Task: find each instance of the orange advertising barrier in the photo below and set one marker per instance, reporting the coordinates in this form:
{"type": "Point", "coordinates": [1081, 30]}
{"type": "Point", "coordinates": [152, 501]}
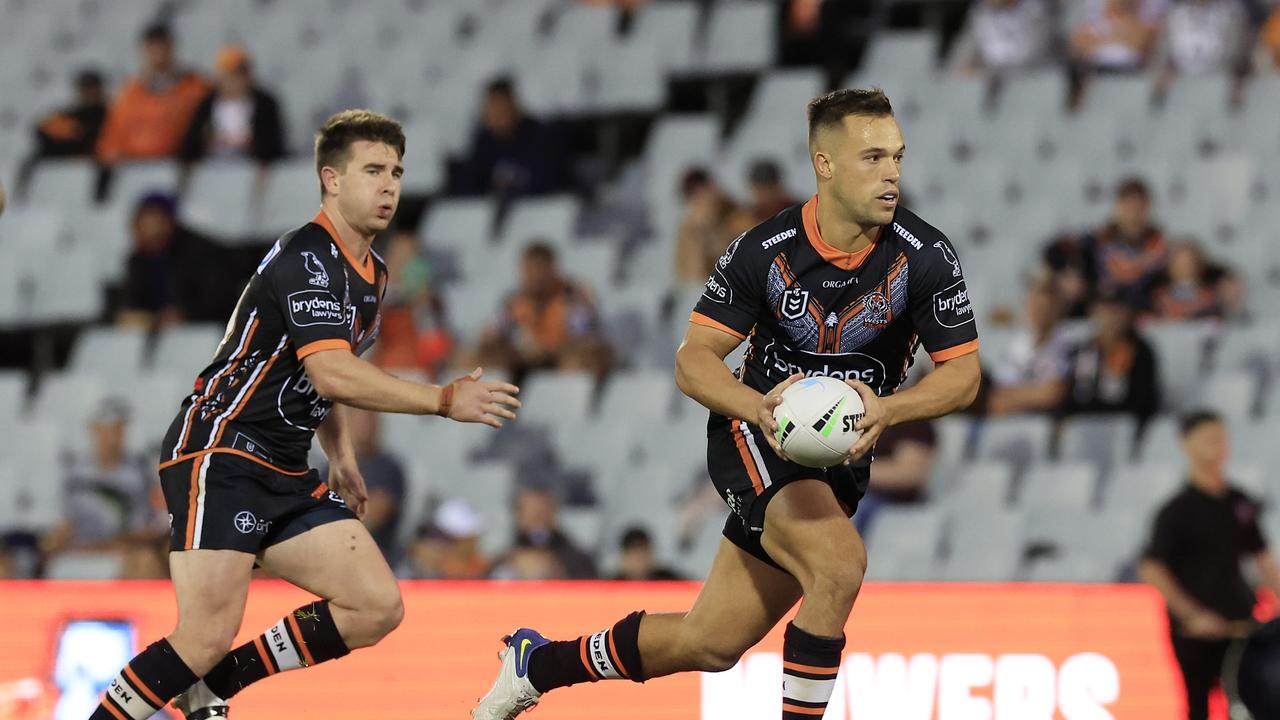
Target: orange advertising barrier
{"type": "Point", "coordinates": [915, 652]}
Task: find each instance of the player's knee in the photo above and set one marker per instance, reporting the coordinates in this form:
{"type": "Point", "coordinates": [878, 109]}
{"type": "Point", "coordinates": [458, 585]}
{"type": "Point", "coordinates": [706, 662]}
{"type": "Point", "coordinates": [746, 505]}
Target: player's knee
{"type": "Point", "coordinates": [385, 611]}
{"type": "Point", "coordinates": [838, 579]}
{"type": "Point", "coordinates": [202, 647]}
{"type": "Point", "coordinates": [715, 656]}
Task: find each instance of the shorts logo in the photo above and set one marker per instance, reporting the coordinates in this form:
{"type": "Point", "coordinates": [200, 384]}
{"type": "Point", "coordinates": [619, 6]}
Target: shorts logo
{"type": "Point", "coordinates": [312, 264]}
{"type": "Point", "coordinates": [246, 522]}
{"type": "Point", "coordinates": [315, 307]}
{"type": "Point", "coordinates": [949, 255]}
{"type": "Point", "coordinates": [794, 303]}
{"type": "Point", "coordinates": [335, 497]}
{"type": "Point", "coordinates": [951, 307]}
{"type": "Point", "coordinates": [877, 311]}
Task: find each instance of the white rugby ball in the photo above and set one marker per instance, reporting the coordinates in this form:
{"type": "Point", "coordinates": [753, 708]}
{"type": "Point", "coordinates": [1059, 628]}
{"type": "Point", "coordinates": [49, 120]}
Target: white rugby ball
{"type": "Point", "coordinates": [816, 421]}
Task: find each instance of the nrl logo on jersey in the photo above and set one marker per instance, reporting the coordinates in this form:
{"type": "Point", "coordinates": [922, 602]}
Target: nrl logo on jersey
{"type": "Point", "coordinates": [795, 302]}
{"type": "Point", "coordinates": [877, 308]}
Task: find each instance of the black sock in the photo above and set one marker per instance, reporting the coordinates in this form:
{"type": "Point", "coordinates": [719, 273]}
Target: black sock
{"type": "Point", "coordinates": [303, 638]}
{"type": "Point", "coordinates": [612, 654]}
{"type": "Point", "coordinates": [145, 685]}
{"type": "Point", "coordinates": [809, 667]}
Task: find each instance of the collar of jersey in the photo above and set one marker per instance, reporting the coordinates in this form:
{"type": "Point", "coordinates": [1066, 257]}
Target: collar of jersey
{"type": "Point", "coordinates": [365, 269]}
{"type": "Point", "coordinates": [839, 258]}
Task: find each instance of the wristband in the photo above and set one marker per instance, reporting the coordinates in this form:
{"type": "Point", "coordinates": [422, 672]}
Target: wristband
{"type": "Point", "coordinates": [446, 395]}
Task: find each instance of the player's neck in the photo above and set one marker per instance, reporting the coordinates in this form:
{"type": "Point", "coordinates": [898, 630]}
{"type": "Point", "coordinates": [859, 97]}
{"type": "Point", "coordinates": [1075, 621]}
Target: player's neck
{"type": "Point", "coordinates": [1208, 480]}
{"type": "Point", "coordinates": [357, 243]}
{"type": "Point", "coordinates": [841, 234]}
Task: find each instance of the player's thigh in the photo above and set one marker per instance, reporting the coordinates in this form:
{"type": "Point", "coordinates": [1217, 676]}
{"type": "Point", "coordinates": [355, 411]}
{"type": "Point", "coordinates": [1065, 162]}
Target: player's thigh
{"type": "Point", "coordinates": [742, 599]}
{"type": "Point", "coordinates": [211, 587]}
{"type": "Point", "coordinates": [808, 533]}
{"type": "Point", "coordinates": [338, 561]}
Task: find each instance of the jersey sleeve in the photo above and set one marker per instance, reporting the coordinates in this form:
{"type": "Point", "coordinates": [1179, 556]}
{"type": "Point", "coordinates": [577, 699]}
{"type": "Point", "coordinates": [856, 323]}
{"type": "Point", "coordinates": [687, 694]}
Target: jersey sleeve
{"type": "Point", "coordinates": [310, 286]}
{"type": "Point", "coordinates": [939, 302]}
{"type": "Point", "coordinates": [1254, 541]}
{"type": "Point", "coordinates": [732, 298]}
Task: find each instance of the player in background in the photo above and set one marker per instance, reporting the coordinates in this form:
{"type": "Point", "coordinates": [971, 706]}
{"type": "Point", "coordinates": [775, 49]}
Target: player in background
{"type": "Point", "coordinates": [846, 285]}
{"type": "Point", "coordinates": [234, 463]}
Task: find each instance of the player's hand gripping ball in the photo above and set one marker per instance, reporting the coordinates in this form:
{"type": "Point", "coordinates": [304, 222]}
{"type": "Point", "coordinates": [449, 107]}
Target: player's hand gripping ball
{"type": "Point", "coordinates": [817, 421]}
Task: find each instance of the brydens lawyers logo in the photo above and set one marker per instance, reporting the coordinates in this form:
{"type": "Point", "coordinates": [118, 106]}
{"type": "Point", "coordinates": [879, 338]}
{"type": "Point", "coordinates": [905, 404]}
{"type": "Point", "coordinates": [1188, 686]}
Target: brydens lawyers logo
{"type": "Point", "coordinates": [315, 307]}
{"type": "Point", "coordinates": [951, 307]}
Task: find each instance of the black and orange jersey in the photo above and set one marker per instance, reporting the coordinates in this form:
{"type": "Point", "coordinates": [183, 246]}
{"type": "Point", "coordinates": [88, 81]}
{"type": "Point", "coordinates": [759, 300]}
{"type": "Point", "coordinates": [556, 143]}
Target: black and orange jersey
{"type": "Point", "coordinates": [804, 306]}
{"type": "Point", "coordinates": [255, 399]}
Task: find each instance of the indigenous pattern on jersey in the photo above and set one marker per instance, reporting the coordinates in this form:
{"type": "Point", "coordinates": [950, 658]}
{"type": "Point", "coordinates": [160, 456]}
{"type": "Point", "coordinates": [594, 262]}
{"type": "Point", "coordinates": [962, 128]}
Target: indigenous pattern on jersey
{"type": "Point", "coordinates": [255, 399]}
{"type": "Point", "coordinates": [804, 306]}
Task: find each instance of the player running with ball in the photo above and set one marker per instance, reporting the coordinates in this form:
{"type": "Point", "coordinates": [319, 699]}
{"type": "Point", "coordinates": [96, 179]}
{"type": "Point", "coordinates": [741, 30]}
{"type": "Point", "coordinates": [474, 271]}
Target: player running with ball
{"type": "Point", "coordinates": [234, 466]}
{"type": "Point", "coordinates": [846, 285]}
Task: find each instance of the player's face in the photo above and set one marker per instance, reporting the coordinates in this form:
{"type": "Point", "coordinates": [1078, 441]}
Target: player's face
{"type": "Point", "coordinates": [865, 166]}
{"type": "Point", "coordinates": [1207, 446]}
{"type": "Point", "coordinates": [369, 187]}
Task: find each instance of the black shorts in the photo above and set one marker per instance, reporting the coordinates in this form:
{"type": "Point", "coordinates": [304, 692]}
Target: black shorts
{"type": "Point", "coordinates": [747, 474]}
{"type": "Point", "coordinates": [222, 501]}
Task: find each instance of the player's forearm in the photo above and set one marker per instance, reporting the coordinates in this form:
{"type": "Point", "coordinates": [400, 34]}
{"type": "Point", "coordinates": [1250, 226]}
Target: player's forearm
{"type": "Point", "coordinates": [951, 386]}
{"type": "Point", "coordinates": [333, 436]}
{"type": "Point", "coordinates": [703, 376]}
{"type": "Point", "coordinates": [345, 378]}
{"type": "Point", "coordinates": [1154, 573]}
{"type": "Point", "coordinates": [1270, 571]}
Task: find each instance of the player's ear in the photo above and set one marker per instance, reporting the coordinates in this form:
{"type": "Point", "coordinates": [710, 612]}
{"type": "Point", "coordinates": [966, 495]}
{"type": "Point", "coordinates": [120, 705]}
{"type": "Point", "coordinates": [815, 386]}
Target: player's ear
{"type": "Point", "coordinates": [331, 179]}
{"type": "Point", "coordinates": [822, 165]}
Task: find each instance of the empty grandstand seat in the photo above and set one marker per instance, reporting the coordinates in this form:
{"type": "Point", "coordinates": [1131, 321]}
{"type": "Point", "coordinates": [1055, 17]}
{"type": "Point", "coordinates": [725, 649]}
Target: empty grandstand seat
{"type": "Point", "coordinates": [186, 349]}
{"type": "Point", "coordinates": [63, 183]}
{"type": "Point", "coordinates": [1100, 439]}
{"type": "Point", "coordinates": [907, 532]}
{"type": "Point", "coordinates": [1180, 349]}
{"type": "Point", "coordinates": [641, 397]}
{"type": "Point", "coordinates": [1141, 488]}
{"type": "Point", "coordinates": [981, 486]}
{"type": "Point", "coordinates": [109, 351]}
{"type": "Point", "coordinates": [1068, 487]}
{"type": "Point", "coordinates": [900, 53]}
{"type": "Point", "coordinates": [985, 547]}
{"type": "Point", "coordinates": [546, 219]}
{"type": "Point", "coordinates": [1019, 440]}
{"type": "Point", "coordinates": [489, 489]}
{"type": "Point", "coordinates": [85, 565]}
{"type": "Point", "coordinates": [131, 181]}
{"type": "Point", "coordinates": [222, 200]}
{"type": "Point", "coordinates": [552, 397]}
{"type": "Point", "coordinates": [739, 37]}
{"type": "Point", "coordinates": [292, 197]}
{"type": "Point", "coordinates": [666, 30]}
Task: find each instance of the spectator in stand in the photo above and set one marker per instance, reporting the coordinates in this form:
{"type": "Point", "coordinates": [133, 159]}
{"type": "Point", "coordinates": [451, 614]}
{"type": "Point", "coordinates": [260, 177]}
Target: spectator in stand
{"type": "Point", "coordinates": [903, 466]}
{"type": "Point", "coordinates": [1117, 37]}
{"type": "Point", "coordinates": [1031, 376]}
{"type": "Point", "coordinates": [383, 479]}
{"type": "Point", "coordinates": [1122, 257]}
{"type": "Point", "coordinates": [1004, 36]}
{"type": "Point", "coordinates": [1191, 288]}
{"type": "Point", "coordinates": [106, 497]}
{"type": "Point", "coordinates": [415, 328]}
{"type": "Point", "coordinates": [513, 154]}
{"type": "Point", "coordinates": [448, 548]}
{"type": "Point", "coordinates": [768, 195]}
{"type": "Point", "coordinates": [237, 119]}
{"type": "Point", "coordinates": [73, 131]}
{"type": "Point", "coordinates": [1115, 371]}
{"type": "Point", "coordinates": [151, 114]}
{"type": "Point", "coordinates": [549, 322]}
{"type": "Point", "coordinates": [711, 221]}
{"type": "Point", "coordinates": [1204, 37]}
{"type": "Point", "coordinates": [1266, 58]}
{"type": "Point", "coordinates": [1198, 542]}
{"type": "Point", "coordinates": [637, 560]}
{"type": "Point", "coordinates": [537, 528]}
{"type": "Point", "coordinates": [166, 278]}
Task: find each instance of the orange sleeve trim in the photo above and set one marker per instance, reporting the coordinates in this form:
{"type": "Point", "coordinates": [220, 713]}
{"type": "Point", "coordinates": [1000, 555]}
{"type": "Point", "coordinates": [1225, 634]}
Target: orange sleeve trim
{"type": "Point", "coordinates": [952, 353]}
{"type": "Point", "coordinates": [230, 451]}
{"type": "Point", "coordinates": [319, 345]}
{"type": "Point", "coordinates": [698, 318]}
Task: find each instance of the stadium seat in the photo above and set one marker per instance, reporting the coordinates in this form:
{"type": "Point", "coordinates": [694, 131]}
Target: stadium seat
{"type": "Point", "coordinates": [897, 53]}
{"type": "Point", "coordinates": [1075, 568]}
{"type": "Point", "coordinates": [546, 219]}
{"type": "Point", "coordinates": [424, 159]}
{"type": "Point", "coordinates": [489, 489]}
{"type": "Point", "coordinates": [1140, 489]}
{"type": "Point", "coordinates": [631, 78]}
{"type": "Point", "coordinates": [907, 532]}
{"type": "Point", "coordinates": [459, 224]}
{"type": "Point", "coordinates": [1019, 440]}
{"type": "Point", "coordinates": [130, 181]}
{"type": "Point", "coordinates": [13, 396]}
{"type": "Point", "coordinates": [222, 200]}
{"type": "Point", "coordinates": [982, 486]}
{"type": "Point", "coordinates": [643, 398]}
{"type": "Point", "coordinates": [37, 504]}
{"type": "Point", "coordinates": [985, 547]}
{"type": "Point", "coordinates": [593, 445]}
{"type": "Point", "coordinates": [1125, 96]}
{"type": "Point", "coordinates": [677, 143]}
{"type": "Point", "coordinates": [1180, 351]}
{"type": "Point", "coordinates": [1233, 395]}
{"type": "Point", "coordinates": [70, 289]}
{"type": "Point", "coordinates": [635, 496]}
{"type": "Point", "coordinates": [595, 264]}
{"type": "Point", "coordinates": [109, 351]}
{"type": "Point", "coordinates": [63, 184]}
{"type": "Point", "coordinates": [553, 397]}
{"type": "Point", "coordinates": [666, 30]}
{"type": "Point", "coordinates": [292, 197]}
{"type": "Point", "coordinates": [85, 565]}
{"type": "Point", "coordinates": [1102, 440]}
{"type": "Point", "coordinates": [186, 349]}
{"type": "Point", "coordinates": [1068, 487]}
{"type": "Point", "coordinates": [739, 37]}
{"type": "Point", "coordinates": [584, 526]}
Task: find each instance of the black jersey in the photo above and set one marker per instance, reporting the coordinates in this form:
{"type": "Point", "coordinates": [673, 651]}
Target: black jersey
{"type": "Point", "coordinates": [255, 399]}
{"type": "Point", "coordinates": [804, 306]}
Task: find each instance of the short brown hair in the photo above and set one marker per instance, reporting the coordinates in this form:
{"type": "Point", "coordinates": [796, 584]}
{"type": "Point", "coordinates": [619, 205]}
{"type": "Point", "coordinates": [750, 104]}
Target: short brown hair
{"type": "Point", "coordinates": [830, 109]}
{"type": "Point", "coordinates": [339, 132]}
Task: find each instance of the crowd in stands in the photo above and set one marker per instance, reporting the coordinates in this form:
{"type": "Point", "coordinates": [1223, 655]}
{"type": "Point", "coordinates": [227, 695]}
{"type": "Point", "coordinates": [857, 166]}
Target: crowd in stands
{"type": "Point", "coordinates": [1076, 346]}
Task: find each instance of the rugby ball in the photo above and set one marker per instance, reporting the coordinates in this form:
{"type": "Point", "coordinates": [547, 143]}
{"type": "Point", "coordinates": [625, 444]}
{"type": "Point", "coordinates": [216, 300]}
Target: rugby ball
{"type": "Point", "coordinates": [816, 421]}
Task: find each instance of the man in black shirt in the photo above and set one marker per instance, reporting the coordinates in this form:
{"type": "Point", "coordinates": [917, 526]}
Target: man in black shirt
{"type": "Point", "coordinates": [1193, 559]}
{"type": "Point", "coordinates": [847, 286]}
{"type": "Point", "coordinates": [234, 467]}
